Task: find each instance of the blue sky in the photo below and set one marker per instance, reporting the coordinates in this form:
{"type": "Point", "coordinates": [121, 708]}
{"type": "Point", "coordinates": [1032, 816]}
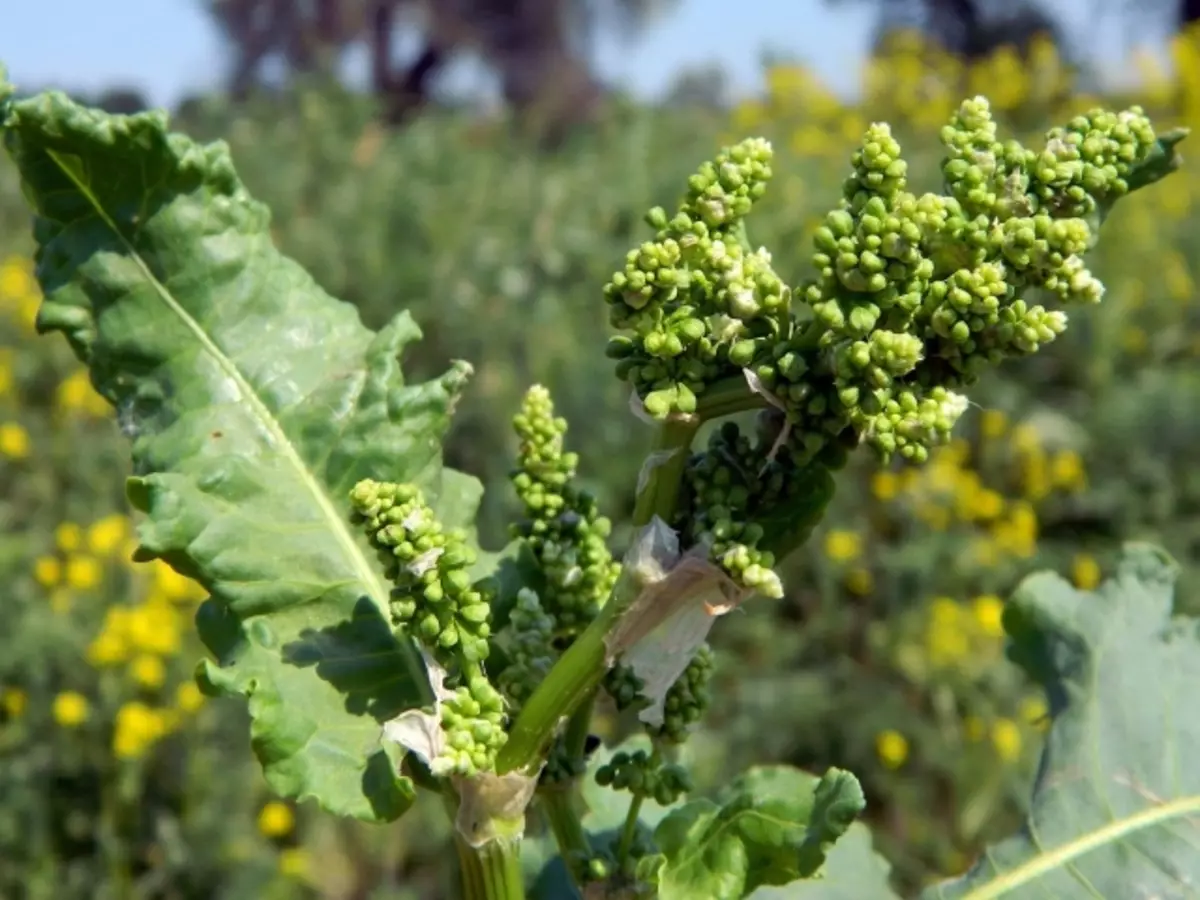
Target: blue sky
{"type": "Point", "coordinates": [167, 47]}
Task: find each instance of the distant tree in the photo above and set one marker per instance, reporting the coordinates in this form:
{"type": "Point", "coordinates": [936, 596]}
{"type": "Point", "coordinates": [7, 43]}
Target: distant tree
{"type": "Point", "coordinates": [121, 100]}
{"type": "Point", "coordinates": [1188, 11]}
{"type": "Point", "coordinates": [537, 48]}
{"type": "Point", "coordinates": [706, 87]}
{"type": "Point", "coordinates": [970, 29]}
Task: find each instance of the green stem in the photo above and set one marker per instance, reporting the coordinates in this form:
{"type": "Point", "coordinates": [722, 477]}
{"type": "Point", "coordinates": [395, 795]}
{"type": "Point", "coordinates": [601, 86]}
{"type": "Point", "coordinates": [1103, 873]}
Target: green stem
{"type": "Point", "coordinates": [661, 494]}
{"type": "Point", "coordinates": [629, 829]}
{"type": "Point", "coordinates": [560, 805]}
{"type": "Point", "coordinates": [572, 681]}
{"type": "Point", "coordinates": [726, 398]}
{"type": "Point", "coordinates": [578, 728]}
{"type": "Point", "coordinates": [569, 684]}
{"type": "Point", "coordinates": [561, 802]}
{"type": "Point", "coordinates": [491, 872]}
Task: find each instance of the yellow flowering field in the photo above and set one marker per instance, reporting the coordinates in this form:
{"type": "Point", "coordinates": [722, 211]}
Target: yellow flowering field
{"type": "Point", "coordinates": [887, 656]}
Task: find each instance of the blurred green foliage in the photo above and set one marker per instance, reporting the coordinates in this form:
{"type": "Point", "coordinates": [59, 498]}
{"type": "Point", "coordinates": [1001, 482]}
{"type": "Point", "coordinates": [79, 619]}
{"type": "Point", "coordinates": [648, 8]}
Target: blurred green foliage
{"type": "Point", "coordinates": [886, 656]}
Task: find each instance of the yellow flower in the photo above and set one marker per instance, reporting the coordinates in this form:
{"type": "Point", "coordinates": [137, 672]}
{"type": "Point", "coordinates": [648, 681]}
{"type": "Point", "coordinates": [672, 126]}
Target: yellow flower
{"type": "Point", "coordinates": [1085, 572]}
{"type": "Point", "coordinates": [83, 572]}
{"type": "Point", "coordinates": [6, 372]}
{"type": "Point", "coordinates": [1018, 535]}
{"type": "Point", "coordinates": [137, 729]}
{"type": "Point", "coordinates": [68, 536]}
{"type": "Point", "coordinates": [16, 281]}
{"type": "Point", "coordinates": [992, 424]}
{"type": "Point", "coordinates": [107, 534]}
{"type": "Point", "coordinates": [170, 586]}
{"type": "Point", "coordinates": [1006, 738]}
{"type": "Point", "coordinates": [47, 571]}
{"type": "Point", "coordinates": [293, 862]}
{"type": "Point", "coordinates": [1035, 475]}
{"type": "Point", "coordinates": [946, 645]}
{"type": "Point", "coordinates": [112, 645]}
{"type": "Point", "coordinates": [892, 748]}
{"type": "Point", "coordinates": [154, 628]}
{"type": "Point", "coordinates": [944, 611]}
{"type": "Point", "coordinates": [859, 581]}
{"type": "Point", "coordinates": [276, 820]}
{"type": "Point", "coordinates": [843, 546]}
{"type": "Point", "coordinates": [974, 728]}
{"type": "Point", "coordinates": [1034, 711]}
{"type": "Point", "coordinates": [70, 709]}
{"type": "Point", "coordinates": [77, 396]}
{"type": "Point", "coordinates": [14, 441]}
{"type": "Point", "coordinates": [885, 486]}
{"type": "Point", "coordinates": [13, 701]}
{"type": "Point", "coordinates": [1026, 438]}
{"type": "Point", "coordinates": [148, 671]}
{"type": "Point", "coordinates": [989, 609]}
{"type": "Point", "coordinates": [1066, 471]}
{"type": "Point", "coordinates": [188, 697]}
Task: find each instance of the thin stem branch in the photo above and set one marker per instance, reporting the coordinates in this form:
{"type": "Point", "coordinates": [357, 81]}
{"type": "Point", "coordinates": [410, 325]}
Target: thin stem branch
{"type": "Point", "coordinates": [629, 829]}
{"type": "Point", "coordinates": [561, 807]}
{"type": "Point", "coordinates": [572, 682]}
{"type": "Point", "coordinates": [568, 685]}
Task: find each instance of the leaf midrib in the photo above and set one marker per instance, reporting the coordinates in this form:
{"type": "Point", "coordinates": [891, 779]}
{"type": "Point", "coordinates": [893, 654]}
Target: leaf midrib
{"type": "Point", "coordinates": [376, 589]}
{"type": "Point", "coordinates": [1114, 831]}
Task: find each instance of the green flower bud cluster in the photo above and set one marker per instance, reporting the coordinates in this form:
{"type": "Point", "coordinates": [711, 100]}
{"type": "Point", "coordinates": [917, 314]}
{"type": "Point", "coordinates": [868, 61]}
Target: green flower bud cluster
{"type": "Point", "coordinates": [434, 598]}
{"type": "Point", "coordinates": [562, 526]}
{"type": "Point", "coordinates": [687, 297]}
{"type": "Point", "coordinates": [1088, 161]}
{"type": "Point", "coordinates": [730, 489]}
{"type": "Point", "coordinates": [642, 774]}
{"type": "Point", "coordinates": [687, 699]}
{"type": "Point", "coordinates": [529, 642]}
{"type": "Point", "coordinates": [473, 719]}
{"type": "Point", "coordinates": [602, 865]}
{"type": "Point", "coordinates": [562, 766]}
{"type": "Point", "coordinates": [622, 684]}
{"type": "Point", "coordinates": [435, 601]}
{"type": "Point", "coordinates": [913, 296]}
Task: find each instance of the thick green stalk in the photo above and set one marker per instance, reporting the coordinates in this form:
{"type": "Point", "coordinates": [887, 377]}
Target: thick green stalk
{"type": "Point", "coordinates": [561, 802]}
{"type": "Point", "coordinates": [661, 493]}
{"type": "Point", "coordinates": [726, 398]}
{"type": "Point", "coordinates": [573, 680]}
{"type": "Point", "coordinates": [569, 684]}
{"type": "Point", "coordinates": [493, 871]}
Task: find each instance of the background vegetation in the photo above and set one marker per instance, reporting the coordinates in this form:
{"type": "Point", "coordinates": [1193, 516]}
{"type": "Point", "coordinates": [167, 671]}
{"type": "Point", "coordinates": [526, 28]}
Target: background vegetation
{"type": "Point", "coordinates": [886, 656]}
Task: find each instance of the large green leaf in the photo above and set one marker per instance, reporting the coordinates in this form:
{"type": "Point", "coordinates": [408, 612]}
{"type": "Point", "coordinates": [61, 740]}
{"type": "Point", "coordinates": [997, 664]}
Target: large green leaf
{"type": "Point", "coordinates": [1116, 805]}
{"type": "Point", "coordinates": [254, 402]}
{"type": "Point", "coordinates": [771, 826]}
{"type": "Point", "coordinates": [852, 871]}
